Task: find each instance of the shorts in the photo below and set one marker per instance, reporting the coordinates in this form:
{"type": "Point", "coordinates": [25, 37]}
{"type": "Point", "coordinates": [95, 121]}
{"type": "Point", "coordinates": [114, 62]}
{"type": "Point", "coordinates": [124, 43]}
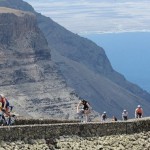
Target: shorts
{"type": "Point", "coordinates": [125, 117]}
{"type": "Point", "coordinates": [87, 111]}
{"type": "Point", "coordinates": [139, 115]}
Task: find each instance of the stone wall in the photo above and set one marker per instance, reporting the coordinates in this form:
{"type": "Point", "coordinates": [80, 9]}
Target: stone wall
{"type": "Point", "coordinates": [42, 121]}
{"type": "Point", "coordinates": [47, 131]}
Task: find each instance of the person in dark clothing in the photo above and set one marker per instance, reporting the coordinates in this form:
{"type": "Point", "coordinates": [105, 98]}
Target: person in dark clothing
{"type": "Point", "coordinates": [104, 116]}
{"type": "Point", "coordinates": [85, 109]}
{"type": "Point", "coordinates": [124, 115]}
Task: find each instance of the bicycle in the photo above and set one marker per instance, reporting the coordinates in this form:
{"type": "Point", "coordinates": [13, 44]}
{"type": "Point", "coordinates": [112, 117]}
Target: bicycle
{"type": "Point", "coordinates": [7, 120]}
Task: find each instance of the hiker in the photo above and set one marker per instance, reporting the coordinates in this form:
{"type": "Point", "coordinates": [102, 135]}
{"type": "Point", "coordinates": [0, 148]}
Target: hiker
{"type": "Point", "coordinates": [85, 109]}
{"type": "Point", "coordinates": [138, 112]}
{"type": "Point", "coordinates": [124, 115]}
{"type": "Point", "coordinates": [5, 105]}
{"type": "Point", "coordinates": [114, 118]}
{"type": "Point", "coordinates": [103, 116]}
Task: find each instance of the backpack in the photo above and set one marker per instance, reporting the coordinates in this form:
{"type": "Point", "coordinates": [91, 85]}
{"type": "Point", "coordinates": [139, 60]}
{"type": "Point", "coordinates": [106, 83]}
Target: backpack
{"type": "Point", "coordinates": [104, 116]}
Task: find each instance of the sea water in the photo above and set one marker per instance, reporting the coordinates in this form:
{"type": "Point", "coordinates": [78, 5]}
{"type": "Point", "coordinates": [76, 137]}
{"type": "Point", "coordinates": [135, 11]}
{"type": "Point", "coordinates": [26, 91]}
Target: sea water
{"type": "Point", "coordinates": [129, 54]}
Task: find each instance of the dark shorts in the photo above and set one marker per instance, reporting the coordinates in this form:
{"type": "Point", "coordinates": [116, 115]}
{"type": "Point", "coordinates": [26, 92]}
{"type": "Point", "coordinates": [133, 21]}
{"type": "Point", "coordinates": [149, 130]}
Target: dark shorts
{"type": "Point", "coordinates": [139, 115]}
{"type": "Point", "coordinates": [125, 117]}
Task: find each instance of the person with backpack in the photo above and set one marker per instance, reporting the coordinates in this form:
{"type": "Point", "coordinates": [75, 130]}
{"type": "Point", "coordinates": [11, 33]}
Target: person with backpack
{"type": "Point", "coordinates": [124, 115]}
{"type": "Point", "coordinates": [85, 109]}
{"type": "Point", "coordinates": [139, 112]}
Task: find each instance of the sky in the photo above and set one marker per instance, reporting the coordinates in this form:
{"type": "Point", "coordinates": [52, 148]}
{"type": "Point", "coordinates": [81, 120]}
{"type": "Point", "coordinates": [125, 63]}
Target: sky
{"type": "Point", "coordinates": [97, 16]}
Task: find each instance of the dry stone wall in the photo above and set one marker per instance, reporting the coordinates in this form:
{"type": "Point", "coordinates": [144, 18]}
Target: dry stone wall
{"type": "Point", "coordinates": [47, 131]}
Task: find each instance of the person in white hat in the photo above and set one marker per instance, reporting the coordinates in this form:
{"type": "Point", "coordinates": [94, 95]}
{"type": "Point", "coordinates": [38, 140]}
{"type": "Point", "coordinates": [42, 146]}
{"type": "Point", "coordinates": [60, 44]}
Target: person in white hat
{"type": "Point", "coordinates": [124, 115]}
{"type": "Point", "coordinates": [139, 112]}
{"type": "Point", "coordinates": [104, 116]}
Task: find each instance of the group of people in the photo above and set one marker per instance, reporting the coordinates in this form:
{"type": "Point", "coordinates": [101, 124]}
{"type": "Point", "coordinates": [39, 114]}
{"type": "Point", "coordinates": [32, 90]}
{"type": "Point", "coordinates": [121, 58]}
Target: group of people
{"type": "Point", "coordinates": [138, 113]}
{"type": "Point", "coordinates": [86, 109]}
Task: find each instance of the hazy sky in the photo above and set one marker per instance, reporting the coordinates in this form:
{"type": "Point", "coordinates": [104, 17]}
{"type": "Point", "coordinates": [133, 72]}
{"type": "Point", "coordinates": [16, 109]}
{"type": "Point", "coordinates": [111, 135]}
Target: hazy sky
{"type": "Point", "coordinates": [97, 16]}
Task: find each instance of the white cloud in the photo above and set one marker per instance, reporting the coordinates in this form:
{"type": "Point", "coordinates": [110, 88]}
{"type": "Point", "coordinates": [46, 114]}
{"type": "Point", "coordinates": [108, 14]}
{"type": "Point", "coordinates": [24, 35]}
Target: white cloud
{"type": "Point", "coordinates": [93, 16]}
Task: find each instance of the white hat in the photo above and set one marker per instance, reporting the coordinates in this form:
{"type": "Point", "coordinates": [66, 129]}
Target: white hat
{"type": "Point", "coordinates": [124, 110]}
{"type": "Point", "coordinates": [104, 112]}
{"type": "Point", "coordinates": [139, 106]}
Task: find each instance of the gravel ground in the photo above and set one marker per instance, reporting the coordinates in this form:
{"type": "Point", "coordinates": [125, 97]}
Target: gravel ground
{"type": "Point", "coordinates": [140, 141]}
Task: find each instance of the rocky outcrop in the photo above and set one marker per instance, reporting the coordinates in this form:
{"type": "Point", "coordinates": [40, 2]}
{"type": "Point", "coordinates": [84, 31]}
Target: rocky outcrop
{"type": "Point", "coordinates": [29, 79]}
{"type": "Point", "coordinates": [11, 29]}
{"type": "Point", "coordinates": [138, 141]}
{"type": "Point", "coordinates": [118, 142]}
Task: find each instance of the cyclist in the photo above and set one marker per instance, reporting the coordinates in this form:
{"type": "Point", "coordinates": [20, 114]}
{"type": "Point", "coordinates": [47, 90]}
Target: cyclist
{"type": "Point", "coordinates": [124, 115]}
{"type": "Point", "coordinates": [5, 105]}
{"type": "Point", "coordinates": [85, 110]}
{"type": "Point", "coordinates": [138, 112]}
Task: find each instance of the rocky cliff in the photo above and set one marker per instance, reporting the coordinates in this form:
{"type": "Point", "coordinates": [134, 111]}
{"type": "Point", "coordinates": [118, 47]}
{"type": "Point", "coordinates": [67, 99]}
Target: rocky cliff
{"type": "Point", "coordinates": [87, 69]}
{"type": "Point", "coordinates": [29, 79]}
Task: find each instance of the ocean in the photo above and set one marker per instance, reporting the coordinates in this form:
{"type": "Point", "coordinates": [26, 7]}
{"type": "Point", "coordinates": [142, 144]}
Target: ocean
{"type": "Point", "coordinates": [128, 53]}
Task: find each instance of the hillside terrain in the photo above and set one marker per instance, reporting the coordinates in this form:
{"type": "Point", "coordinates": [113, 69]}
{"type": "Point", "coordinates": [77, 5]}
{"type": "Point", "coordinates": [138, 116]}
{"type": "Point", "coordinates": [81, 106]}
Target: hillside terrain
{"type": "Point", "coordinates": [29, 79]}
{"type": "Point", "coordinates": [85, 68]}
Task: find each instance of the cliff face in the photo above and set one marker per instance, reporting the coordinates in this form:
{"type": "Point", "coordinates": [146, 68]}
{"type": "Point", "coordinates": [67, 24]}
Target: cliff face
{"type": "Point", "coordinates": [29, 79]}
{"type": "Point", "coordinates": [14, 24]}
{"type": "Point", "coordinates": [87, 69]}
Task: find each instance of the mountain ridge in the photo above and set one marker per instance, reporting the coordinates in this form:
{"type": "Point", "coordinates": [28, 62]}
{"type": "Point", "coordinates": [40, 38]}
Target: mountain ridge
{"type": "Point", "coordinates": [29, 79]}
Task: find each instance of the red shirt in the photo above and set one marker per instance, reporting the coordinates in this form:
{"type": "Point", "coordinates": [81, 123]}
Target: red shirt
{"type": "Point", "coordinates": [3, 100]}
